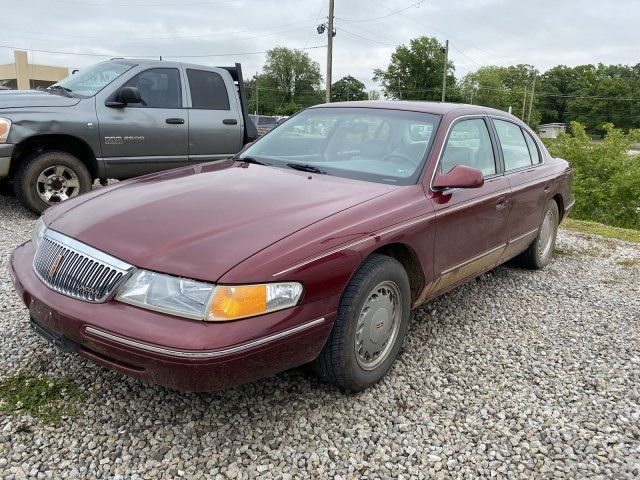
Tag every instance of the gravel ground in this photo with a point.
(517, 374)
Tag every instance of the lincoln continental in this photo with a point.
(311, 246)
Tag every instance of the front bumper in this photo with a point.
(6, 149)
(170, 351)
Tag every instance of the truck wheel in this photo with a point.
(540, 252)
(48, 178)
(372, 321)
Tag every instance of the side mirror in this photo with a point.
(129, 95)
(460, 176)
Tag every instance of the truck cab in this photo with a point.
(119, 119)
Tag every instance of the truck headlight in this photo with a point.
(5, 127)
(205, 301)
(38, 233)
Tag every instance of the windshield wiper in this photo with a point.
(249, 160)
(306, 168)
(59, 88)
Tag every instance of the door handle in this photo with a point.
(175, 121)
(503, 202)
(230, 121)
(547, 188)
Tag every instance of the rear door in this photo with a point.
(215, 123)
(530, 186)
(148, 136)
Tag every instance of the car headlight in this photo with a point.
(38, 233)
(204, 301)
(5, 126)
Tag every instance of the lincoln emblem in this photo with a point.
(54, 266)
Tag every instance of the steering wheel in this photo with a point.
(404, 159)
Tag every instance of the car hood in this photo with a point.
(34, 98)
(201, 221)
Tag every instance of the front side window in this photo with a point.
(208, 91)
(469, 144)
(159, 88)
(379, 145)
(88, 82)
(514, 147)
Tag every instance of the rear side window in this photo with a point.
(208, 91)
(514, 146)
(533, 148)
(159, 88)
(469, 144)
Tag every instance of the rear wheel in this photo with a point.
(48, 178)
(370, 327)
(540, 252)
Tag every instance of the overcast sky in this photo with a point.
(482, 32)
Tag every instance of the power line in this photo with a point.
(342, 29)
(396, 12)
(216, 42)
(163, 37)
(13, 47)
(155, 4)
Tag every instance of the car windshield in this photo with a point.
(88, 82)
(373, 144)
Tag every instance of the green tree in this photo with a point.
(290, 81)
(501, 88)
(348, 88)
(606, 178)
(415, 71)
(602, 94)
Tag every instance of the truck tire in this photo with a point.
(48, 178)
(540, 252)
(372, 320)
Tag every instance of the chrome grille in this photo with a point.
(75, 269)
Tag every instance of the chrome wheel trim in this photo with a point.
(57, 183)
(545, 242)
(378, 325)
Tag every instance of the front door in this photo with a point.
(471, 224)
(148, 136)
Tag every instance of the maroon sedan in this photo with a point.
(312, 245)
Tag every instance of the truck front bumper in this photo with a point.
(6, 149)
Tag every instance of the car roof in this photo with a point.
(436, 108)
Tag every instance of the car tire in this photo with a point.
(377, 303)
(540, 252)
(56, 174)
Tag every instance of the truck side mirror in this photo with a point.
(129, 95)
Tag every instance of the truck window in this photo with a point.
(159, 88)
(208, 91)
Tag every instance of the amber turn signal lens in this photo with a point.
(5, 126)
(232, 302)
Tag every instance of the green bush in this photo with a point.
(606, 178)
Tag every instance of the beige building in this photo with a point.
(24, 76)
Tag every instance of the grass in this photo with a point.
(629, 262)
(602, 229)
(39, 395)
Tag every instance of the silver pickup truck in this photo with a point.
(119, 119)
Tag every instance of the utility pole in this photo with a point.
(329, 51)
(533, 90)
(524, 103)
(257, 94)
(444, 73)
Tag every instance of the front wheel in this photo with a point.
(48, 178)
(370, 327)
(540, 252)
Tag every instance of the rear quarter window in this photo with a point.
(208, 91)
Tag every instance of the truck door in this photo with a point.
(216, 126)
(148, 136)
